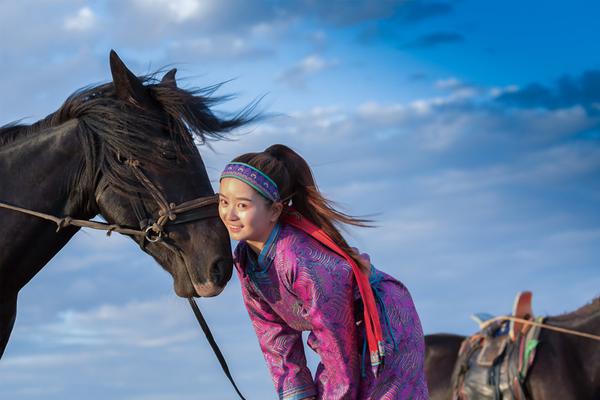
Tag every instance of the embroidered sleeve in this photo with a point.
(325, 287)
(282, 348)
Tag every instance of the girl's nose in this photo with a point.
(231, 214)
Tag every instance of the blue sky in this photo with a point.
(471, 129)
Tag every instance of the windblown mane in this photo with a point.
(111, 129)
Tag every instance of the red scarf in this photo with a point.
(371, 315)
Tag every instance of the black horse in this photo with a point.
(125, 150)
(565, 366)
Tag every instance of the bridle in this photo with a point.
(169, 213)
(151, 230)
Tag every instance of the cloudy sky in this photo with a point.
(470, 129)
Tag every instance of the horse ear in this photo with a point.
(169, 78)
(127, 85)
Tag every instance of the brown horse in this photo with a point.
(125, 150)
(565, 366)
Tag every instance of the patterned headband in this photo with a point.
(253, 177)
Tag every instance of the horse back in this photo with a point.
(559, 371)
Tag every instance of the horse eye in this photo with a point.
(168, 156)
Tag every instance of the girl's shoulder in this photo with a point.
(306, 265)
(301, 250)
(296, 242)
(290, 235)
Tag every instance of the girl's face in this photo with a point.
(246, 214)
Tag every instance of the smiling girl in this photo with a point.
(298, 273)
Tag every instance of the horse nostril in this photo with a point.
(220, 272)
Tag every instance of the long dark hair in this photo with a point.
(296, 183)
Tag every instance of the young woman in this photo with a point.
(298, 274)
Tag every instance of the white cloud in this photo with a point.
(388, 113)
(448, 83)
(84, 20)
(96, 249)
(121, 325)
(41, 361)
(497, 91)
(537, 169)
(177, 10)
(297, 74)
(312, 64)
(216, 47)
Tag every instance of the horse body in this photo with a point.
(29, 243)
(441, 351)
(77, 162)
(565, 366)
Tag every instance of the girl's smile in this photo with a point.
(246, 214)
(234, 229)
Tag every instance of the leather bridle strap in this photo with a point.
(169, 212)
(82, 223)
(213, 344)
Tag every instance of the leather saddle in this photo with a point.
(497, 335)
(489, 364)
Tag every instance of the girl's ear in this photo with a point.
(276, 209)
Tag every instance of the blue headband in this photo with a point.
(253, 177)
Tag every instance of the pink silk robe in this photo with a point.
(296, 284)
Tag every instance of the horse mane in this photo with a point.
(584, 311)
(191, 105)
(111, 129)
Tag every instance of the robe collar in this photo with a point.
(267, 254)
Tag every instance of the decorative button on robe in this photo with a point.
(296, 284)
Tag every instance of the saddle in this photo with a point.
(521, 309)
(493, 363)
(497, 335)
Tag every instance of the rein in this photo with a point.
(83, 223)
(213, 344)
(541, 325)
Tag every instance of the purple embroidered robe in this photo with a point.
(296, 284)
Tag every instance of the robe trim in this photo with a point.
(298, 393)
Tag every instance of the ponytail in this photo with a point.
(296, 183)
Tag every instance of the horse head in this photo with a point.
(152, 177)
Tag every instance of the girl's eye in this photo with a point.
(223, 202)
(242, 205)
